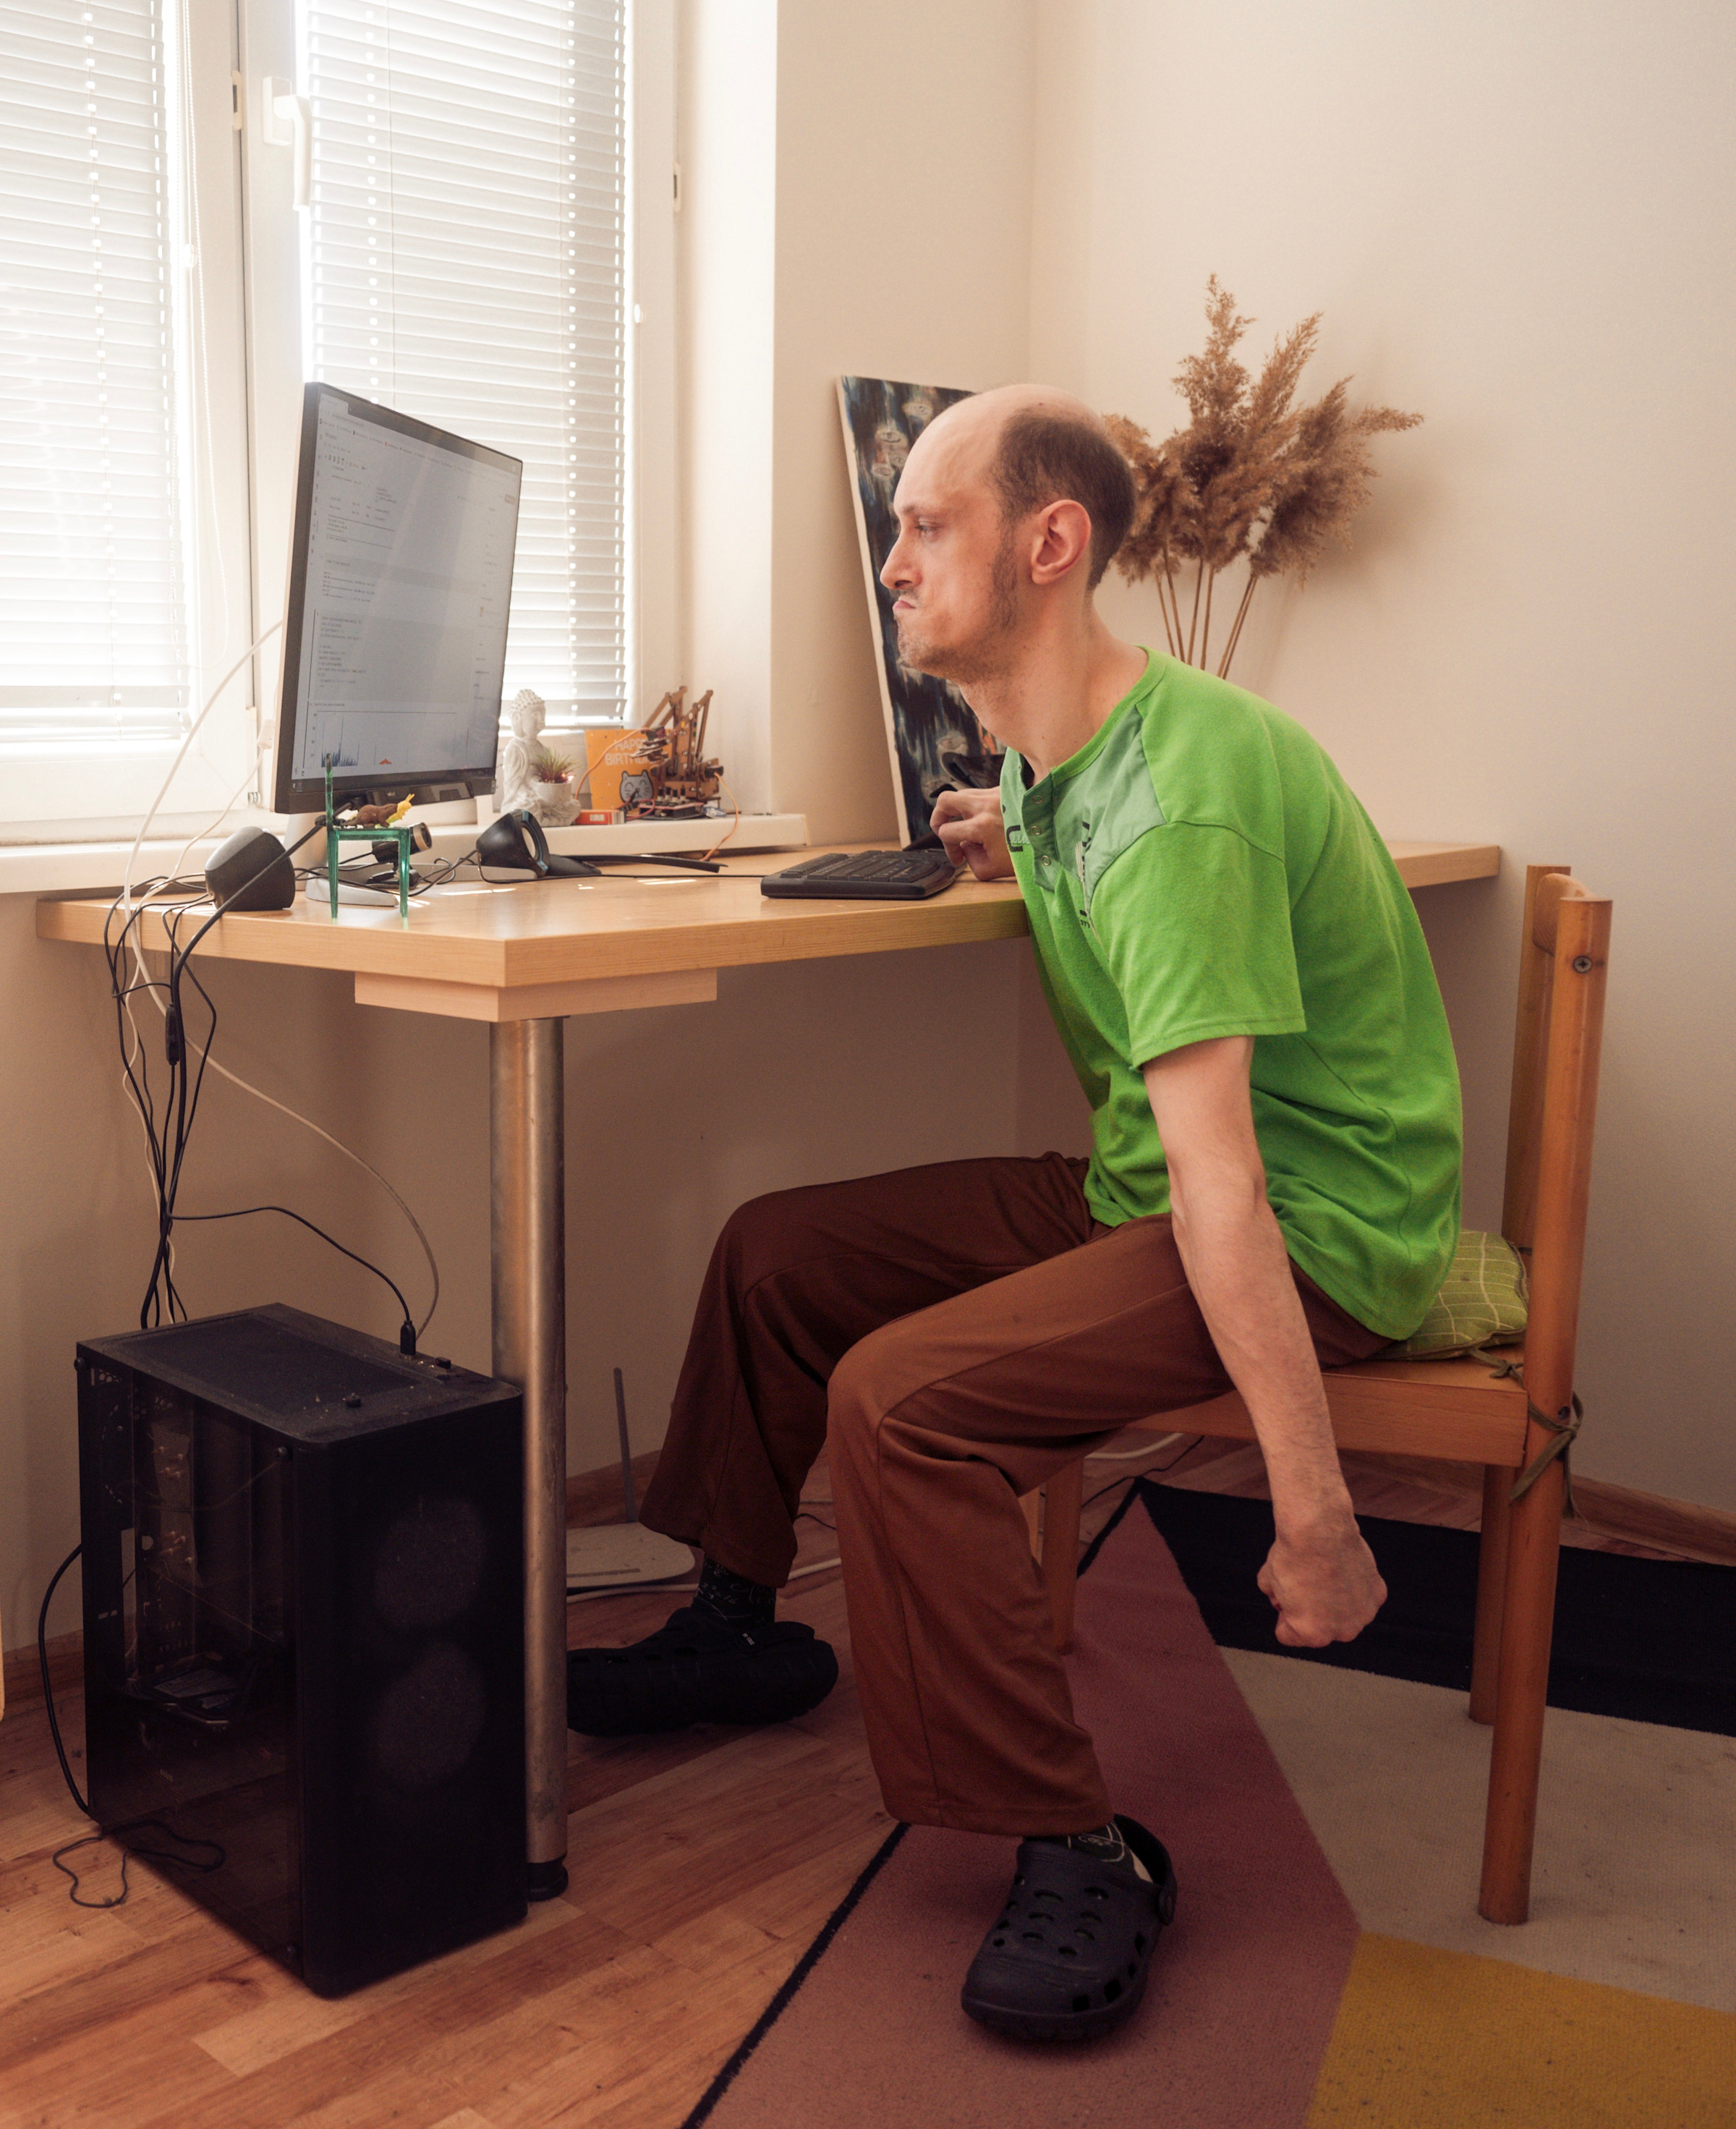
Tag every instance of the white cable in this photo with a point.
(320, 1131)
(680, 1589)
(819, 1566)
(1127, 1456)
(271, 1101)
(234, 1078)
(186, 741)
(1096, 1456)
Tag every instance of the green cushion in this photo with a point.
(1481, 1300)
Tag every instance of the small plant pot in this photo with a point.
(555, 804)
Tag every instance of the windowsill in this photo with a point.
(75, 868)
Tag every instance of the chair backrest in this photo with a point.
(1563, 965)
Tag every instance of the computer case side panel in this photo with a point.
(189, 1698)
(411, 1692)
(106, 1537)
(304, 1639)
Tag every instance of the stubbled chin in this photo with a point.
(913, 651)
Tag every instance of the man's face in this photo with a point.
(951, 571)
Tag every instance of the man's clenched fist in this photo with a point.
(969, 823)
(1324, 1587)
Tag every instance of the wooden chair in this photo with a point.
(1458, 1410)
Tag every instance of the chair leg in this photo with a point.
(1527, 1614)
(1491, 1582)
(1061, 1548)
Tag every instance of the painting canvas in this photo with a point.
(925, 718)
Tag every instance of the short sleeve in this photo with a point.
(1193, 923)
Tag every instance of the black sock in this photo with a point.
(732, 1598)
(1102, 1842)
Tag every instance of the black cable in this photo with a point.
(179, 1111)
(406, 1336)
(114, 951)
(66, 1871)
(167, 1134)
(259, 873)
(127, 1847)
(651, 857)
(48, 1690)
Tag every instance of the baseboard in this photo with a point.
(1708, 1534)
(24, 1673)
(1621, 1511)
(594, 1497)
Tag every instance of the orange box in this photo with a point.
(612, 754)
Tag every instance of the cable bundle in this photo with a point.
(168, 1124)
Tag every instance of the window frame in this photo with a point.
(275, 321)
(83, 796)
(249, 280)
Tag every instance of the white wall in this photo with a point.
(674, 1115)
(725, 269)
(1517, 220)
(856, 184)
(796, 144)
(904, 172)
(1512, 219)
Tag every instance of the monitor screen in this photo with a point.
(395, 629)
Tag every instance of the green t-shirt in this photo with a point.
(1201, 868)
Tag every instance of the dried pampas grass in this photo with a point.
(1251, 476)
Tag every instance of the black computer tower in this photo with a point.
(304, 1634)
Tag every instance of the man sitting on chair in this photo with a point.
(1239, 979)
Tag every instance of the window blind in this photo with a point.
(93, 592)
(466, 258)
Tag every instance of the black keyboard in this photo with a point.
(866, 876)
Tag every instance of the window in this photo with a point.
(464, 261)
(469, 254)
(93, 581)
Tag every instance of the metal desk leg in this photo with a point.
(527, 1150)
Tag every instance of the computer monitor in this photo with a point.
(395, 627)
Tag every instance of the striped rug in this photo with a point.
(1270, 2006)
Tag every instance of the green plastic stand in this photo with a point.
(405, 838)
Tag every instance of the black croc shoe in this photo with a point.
(1068, 1958)
(698, 1669)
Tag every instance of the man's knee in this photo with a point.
(761, 1238)
(863, 1392)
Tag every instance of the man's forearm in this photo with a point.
(1319, 1574)
(1233, 1251)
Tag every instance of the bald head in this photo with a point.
(1037, 444)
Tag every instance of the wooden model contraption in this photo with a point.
(673, 747)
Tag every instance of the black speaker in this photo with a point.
(252, 871)
(304, 1667)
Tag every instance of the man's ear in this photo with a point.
(1060, 540)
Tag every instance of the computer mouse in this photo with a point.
(515, 843)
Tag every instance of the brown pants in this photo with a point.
(958, 1333)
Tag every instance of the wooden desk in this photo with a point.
(522, 958)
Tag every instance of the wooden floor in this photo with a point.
(703, 1866)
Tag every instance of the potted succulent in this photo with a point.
(553, 797)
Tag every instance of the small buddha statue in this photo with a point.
(514, 784)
